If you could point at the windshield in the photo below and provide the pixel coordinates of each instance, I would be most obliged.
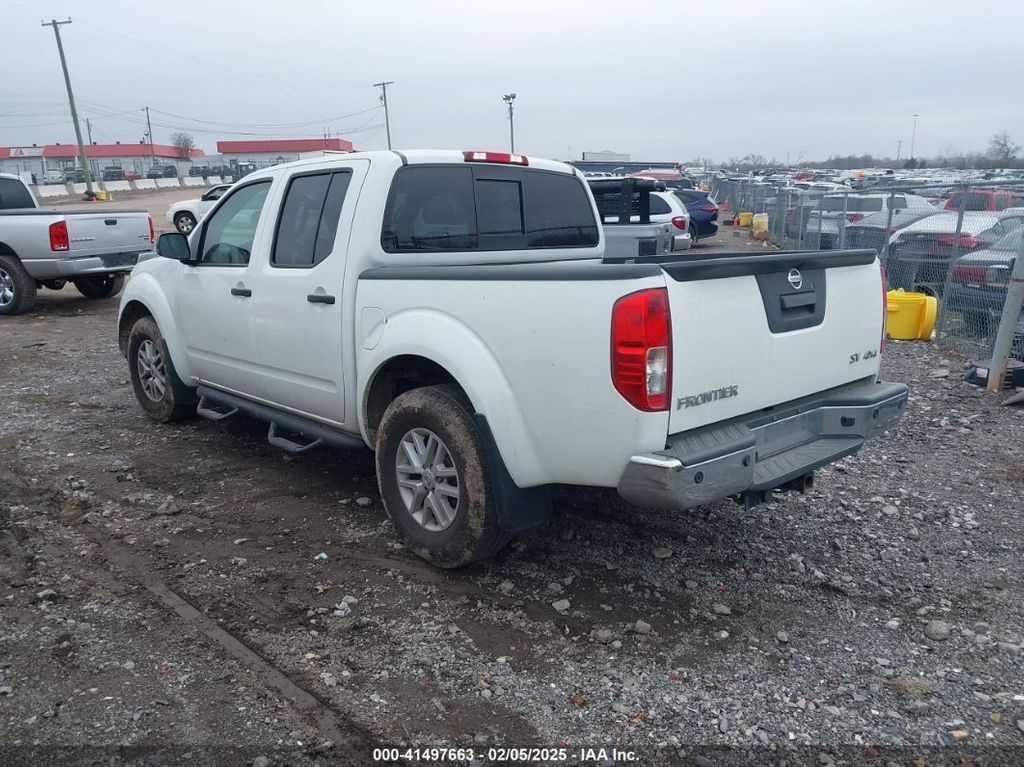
(1010, 241)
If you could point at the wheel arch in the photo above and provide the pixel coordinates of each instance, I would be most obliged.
(7, 250)
(143, 296)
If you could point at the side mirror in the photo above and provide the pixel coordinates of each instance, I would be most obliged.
(174, 245)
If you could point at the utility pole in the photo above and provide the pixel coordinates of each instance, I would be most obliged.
(899, 146)
(88, 129)
(384, 98)
(71, 102)
(149, 132)
(913, 136)
(508, 98)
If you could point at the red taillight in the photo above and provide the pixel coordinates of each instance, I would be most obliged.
(853, 218)
(885, 309)
(680, 222)
(974, 274)
(712, 208)
(500, 157)
(59, 236)
(152, 232)
(966, 241)
(642, 349)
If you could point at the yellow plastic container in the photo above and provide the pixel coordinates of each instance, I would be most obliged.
(746, 218)
(101, 195)
(759, 223)
(910, 316)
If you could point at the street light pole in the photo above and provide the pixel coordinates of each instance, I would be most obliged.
(913, 136)
(508, 98)
(71, 102)
(384, 97)
(899, 146)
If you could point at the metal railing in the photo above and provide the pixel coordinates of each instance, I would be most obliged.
(970, 280)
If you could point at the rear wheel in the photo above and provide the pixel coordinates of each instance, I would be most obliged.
(162, 394)
(433, 477)
(17, 288)
(185, 223)
(100, 286)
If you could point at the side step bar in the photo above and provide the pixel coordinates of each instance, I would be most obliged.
(316, 434)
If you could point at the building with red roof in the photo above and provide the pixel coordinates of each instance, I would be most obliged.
(131, 157)
(276, 151)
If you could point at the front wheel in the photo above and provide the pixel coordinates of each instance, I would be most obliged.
(162, 394)
(433, 477)
(100, 286)
(185, 223)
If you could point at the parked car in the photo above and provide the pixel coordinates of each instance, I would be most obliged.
(978, 282)
(113, 173)
(131, 175)
(221, 170)
(199, 170)
(93, 248)
(155, 171)
(875, 229)
(452, 312)
(920, 254)
(666, 208)
(54, 176)
(74, 176)
(187, 213)
(980, 200)
(835, 211)
(703, 212)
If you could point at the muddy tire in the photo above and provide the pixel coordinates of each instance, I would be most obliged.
(100, 286)
(433, 477)
(17, 288)
(162, 394)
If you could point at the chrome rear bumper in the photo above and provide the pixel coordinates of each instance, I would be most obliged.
(762, 451)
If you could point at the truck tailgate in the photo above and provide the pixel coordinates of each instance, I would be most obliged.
(752, 331)
(102, 232)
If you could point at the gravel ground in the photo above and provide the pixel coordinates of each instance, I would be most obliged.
(188, 593)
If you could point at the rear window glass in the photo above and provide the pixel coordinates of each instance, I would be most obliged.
(855, 204)
(434, 208)
(430, 209)
(659, 207)
(13, 194)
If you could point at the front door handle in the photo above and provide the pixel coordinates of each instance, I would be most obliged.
(243, 292)
(320, 298)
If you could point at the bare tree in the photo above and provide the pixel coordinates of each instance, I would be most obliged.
(1002, 149)
(184, 143)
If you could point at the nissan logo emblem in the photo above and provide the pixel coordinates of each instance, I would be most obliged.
(795, 279)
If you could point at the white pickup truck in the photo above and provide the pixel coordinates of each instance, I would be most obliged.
(452, 312)
(93, 246)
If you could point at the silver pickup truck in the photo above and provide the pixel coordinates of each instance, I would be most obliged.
(625, 208)
(92, 246)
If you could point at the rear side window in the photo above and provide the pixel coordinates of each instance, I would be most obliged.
(438, 209)
(309, 219)
(13, 194)
(969, 201)
(1003, 201)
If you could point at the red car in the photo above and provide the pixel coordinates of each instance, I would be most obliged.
(131, 175)
(984, 199)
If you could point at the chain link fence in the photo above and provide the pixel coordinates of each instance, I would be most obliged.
(957, 243)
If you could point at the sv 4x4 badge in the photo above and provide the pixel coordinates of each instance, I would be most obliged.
(711, 395)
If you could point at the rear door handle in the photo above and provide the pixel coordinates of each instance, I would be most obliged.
(243, 292)
(320, 298)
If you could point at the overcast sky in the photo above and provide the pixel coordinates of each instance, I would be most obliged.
(661, 80)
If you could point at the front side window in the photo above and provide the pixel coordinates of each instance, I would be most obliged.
(231, 229)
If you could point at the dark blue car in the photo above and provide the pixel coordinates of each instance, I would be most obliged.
(703, 212)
